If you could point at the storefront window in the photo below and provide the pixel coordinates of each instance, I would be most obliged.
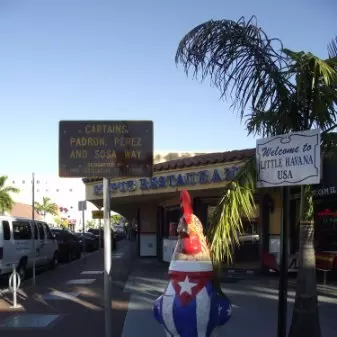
(210, 214)
(171, 219)
(326, 230)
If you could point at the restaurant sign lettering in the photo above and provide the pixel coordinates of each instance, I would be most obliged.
(201, 177)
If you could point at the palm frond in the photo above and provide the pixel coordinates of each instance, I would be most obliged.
(6, 200)
(332, 48)
(315, 95)
(270, 123)
(239, 58)
(46, 207)
(3, 180)
(237, 203)
(329, 144)
(10, 189)
(313, 67)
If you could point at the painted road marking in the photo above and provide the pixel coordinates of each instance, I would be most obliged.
(60, 295)
(23, 321)
(117, 255)
(92, 272)
(82, 281)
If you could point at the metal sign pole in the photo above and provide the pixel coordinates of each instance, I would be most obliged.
(283, 285)
(107, 256)
(100, 233)
(83, 230)
(34, 227)
(15, 302)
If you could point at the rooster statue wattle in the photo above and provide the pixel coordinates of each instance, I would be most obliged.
(191, 306)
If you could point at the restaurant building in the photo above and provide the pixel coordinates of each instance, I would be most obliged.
(154, 203)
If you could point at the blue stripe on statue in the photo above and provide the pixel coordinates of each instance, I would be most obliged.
(213, 315)
(185, 318)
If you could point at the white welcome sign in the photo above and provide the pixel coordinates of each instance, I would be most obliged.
(289, 159)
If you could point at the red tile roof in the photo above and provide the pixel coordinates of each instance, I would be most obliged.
(23, 210)
(204, 159)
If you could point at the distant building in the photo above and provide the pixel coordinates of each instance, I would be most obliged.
(65, 192)
(23, 210)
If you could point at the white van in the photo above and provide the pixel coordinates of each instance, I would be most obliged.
(18, 239)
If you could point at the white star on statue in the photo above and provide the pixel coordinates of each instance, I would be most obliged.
(229, 311)
(219, 309)
(186, 286)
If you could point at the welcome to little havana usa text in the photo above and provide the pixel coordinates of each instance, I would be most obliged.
(291, 157)
(93, 139)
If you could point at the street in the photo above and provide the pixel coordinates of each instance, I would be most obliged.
(69, 300)
(254, 300)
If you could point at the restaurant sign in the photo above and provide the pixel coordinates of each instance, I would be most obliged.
(289, 159)
(172, 180)
(108, 149)
(97, 214)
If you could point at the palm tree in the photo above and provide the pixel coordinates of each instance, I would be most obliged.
(46, 207)
(62, 222)
(6, 201)
(284, 91)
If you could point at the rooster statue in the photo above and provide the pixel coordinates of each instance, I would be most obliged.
(191, 305)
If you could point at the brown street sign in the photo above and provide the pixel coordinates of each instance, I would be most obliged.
(105, 149)
(97, 214)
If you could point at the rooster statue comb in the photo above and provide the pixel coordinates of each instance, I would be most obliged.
(186, 205)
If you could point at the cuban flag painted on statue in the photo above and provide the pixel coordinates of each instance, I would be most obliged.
(191, 304)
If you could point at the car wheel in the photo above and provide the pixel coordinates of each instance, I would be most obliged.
(54, 262)
(70, 257)
(22, 270)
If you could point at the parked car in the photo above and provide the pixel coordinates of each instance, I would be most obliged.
(69, 247)
(90, 241)
(100, 233)
(120, 232)
(22, 240)
(95, 239)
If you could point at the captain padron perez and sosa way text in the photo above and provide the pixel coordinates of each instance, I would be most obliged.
(110, 149)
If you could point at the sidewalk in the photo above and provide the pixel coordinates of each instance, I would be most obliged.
(254, 304)
(69, 300)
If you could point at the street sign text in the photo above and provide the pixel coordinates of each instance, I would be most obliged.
(108, 149)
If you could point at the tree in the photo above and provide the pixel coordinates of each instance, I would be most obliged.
(284, 91)
(116, 218)
(46, 207)
(62, 222)
(90, 224)
(6, 200)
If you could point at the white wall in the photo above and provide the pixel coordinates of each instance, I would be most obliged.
(65, 192)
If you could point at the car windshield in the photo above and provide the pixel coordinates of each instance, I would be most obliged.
(94, 231)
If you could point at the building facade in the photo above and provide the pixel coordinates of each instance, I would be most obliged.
(154, 203)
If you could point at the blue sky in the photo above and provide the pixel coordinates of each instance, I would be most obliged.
(81, 59)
